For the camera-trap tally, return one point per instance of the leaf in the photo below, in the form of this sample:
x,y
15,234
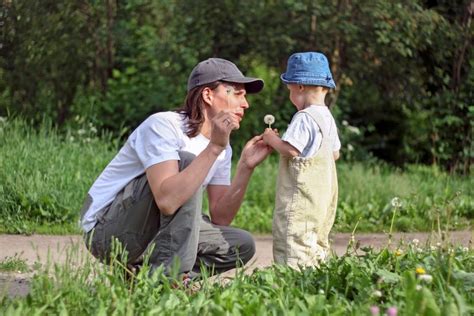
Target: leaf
x,y
387,276
463,308
466,278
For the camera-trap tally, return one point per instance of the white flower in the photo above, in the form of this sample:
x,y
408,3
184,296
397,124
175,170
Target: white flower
x,y
321,291
438,244
377,293
425,278
418,287
415,241
345,123
350,147
354,130
269,119
3,119
93,130
396,202
433,248
81,132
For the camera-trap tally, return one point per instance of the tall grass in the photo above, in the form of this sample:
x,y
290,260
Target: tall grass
x,y
417,281
44,176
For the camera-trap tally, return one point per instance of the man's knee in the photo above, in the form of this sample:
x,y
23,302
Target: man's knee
x,y
246,246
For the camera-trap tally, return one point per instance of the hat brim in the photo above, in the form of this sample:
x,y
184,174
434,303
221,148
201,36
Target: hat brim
x,y
252,85
309,81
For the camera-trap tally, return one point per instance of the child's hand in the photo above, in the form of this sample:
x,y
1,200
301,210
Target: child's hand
x,y
269,135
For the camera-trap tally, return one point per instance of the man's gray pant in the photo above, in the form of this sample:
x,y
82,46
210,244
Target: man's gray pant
x,y
135,220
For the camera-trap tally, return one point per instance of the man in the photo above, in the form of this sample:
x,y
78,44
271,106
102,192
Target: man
x,y
150,194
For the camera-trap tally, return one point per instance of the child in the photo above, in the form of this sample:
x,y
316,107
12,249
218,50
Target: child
x,y
306,197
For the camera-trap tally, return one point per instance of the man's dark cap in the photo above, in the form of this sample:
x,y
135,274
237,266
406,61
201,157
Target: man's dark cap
x,y
218,69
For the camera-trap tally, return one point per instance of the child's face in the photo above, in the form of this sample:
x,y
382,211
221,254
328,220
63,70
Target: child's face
x,y
297,97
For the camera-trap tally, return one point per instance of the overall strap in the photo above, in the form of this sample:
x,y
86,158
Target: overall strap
x,y
328,133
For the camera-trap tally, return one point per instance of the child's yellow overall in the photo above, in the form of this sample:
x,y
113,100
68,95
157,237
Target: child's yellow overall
x,y
305,206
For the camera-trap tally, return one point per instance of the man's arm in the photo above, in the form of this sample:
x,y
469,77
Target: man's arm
x,y
167,182
225,201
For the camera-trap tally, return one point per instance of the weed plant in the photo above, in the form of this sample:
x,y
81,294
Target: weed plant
x,y
45,174
420,280
14,263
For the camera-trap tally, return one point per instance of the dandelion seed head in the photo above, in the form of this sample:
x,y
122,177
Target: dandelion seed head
x,y
269,119
425,278
396,202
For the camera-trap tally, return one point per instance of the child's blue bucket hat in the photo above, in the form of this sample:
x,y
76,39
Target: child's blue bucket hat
x,y
309,68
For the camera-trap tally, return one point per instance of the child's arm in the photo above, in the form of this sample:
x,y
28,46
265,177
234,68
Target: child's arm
x,y
271,138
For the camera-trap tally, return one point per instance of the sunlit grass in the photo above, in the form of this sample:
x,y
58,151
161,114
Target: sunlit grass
x,y
44,176
415,280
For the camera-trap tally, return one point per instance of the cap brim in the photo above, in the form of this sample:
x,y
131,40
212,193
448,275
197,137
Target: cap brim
x,y
252,85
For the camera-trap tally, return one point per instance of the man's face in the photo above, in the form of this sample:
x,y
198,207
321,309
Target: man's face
x,y
231,97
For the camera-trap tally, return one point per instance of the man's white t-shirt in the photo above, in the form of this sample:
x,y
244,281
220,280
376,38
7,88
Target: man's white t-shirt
x,y
304,134
159,138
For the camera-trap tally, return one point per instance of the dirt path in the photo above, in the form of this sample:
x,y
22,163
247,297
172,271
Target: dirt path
x,y
41,248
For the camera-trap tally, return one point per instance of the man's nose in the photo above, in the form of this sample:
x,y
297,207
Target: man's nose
x,y
244,104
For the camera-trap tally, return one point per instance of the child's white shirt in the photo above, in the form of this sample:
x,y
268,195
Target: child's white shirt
x,y
305,135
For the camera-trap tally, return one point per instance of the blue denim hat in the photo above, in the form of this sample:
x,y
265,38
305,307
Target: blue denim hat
x,y
309,68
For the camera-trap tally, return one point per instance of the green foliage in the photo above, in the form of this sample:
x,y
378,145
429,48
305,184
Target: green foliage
x,y
404,69
349,284
14,264
45,174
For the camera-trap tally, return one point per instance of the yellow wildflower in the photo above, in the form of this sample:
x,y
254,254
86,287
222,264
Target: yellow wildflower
x,y
420,270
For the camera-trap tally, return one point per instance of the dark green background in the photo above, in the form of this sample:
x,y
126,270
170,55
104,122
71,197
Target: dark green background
x,y
403,68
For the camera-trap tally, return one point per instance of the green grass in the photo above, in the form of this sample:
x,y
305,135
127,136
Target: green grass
x,y
14,264
44,176
346,285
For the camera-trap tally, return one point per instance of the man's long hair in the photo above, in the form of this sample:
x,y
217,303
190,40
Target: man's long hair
x,y
193,108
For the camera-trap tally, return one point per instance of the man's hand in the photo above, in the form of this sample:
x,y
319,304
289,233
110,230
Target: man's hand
x,y
254,152
222,125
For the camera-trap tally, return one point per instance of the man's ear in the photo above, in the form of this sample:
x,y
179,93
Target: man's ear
x,y
300,87
207,95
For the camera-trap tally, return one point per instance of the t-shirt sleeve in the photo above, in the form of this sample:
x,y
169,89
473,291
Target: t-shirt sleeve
x,y
298,133
156,140
223,170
